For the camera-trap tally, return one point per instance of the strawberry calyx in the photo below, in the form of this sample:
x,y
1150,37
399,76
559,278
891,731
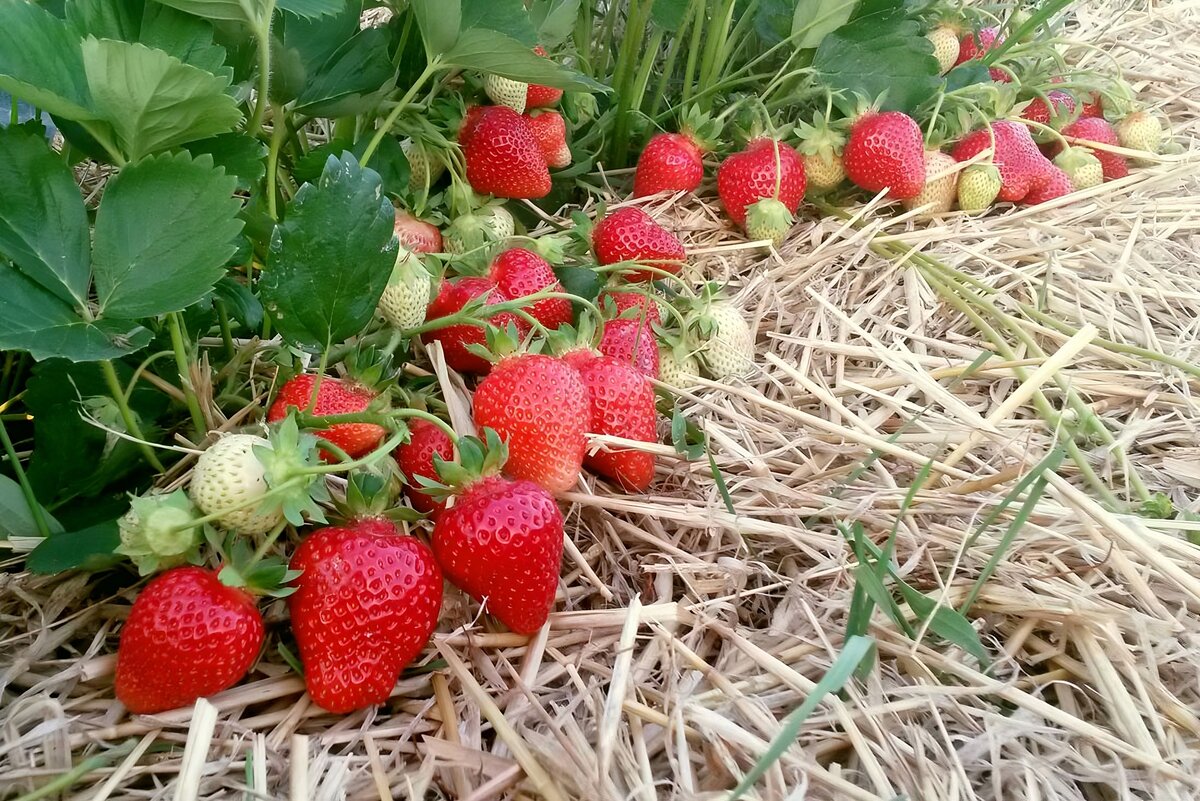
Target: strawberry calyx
x,y
502,343
160,531
477,460
292,471
768,218
255,573
821,138
371,494
701,129
371,369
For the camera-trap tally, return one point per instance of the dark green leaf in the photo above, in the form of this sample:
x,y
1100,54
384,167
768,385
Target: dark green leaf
x,y
43,223
187,37
311,9
813,20
967,74
669,14
877,55
389,161
773,20
555,19
353,80
582,281
89,549
31,319
331,257
304,47
439,21
241,302
242,156
153,100
16,519
164,232
40,61
507,16
233,10
491,51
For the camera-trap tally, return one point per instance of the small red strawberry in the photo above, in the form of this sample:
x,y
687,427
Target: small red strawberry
x,y
1016,155
538,405
417,236
188,636
622,403
974,45
334,396
629,234
1053,183
624,300
1037,110
631,341
767,168
670,162
550,131
415,458
502,154
501,540
1092,107
455,339
538,96
519,272
886,151
1099,130
366,602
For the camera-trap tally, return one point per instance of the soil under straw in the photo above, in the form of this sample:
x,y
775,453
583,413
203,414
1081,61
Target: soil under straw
x,y
685,634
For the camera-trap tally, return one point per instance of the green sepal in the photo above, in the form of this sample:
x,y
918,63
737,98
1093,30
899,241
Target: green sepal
x,y
268,576
158,532
292,457
476,459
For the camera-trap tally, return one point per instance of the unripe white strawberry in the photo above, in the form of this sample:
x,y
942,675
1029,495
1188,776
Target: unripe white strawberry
x,y
506,92
229,474
159,531
978,186
823,172
729,351
1081,166
945,47
941,183
676,367
768,219
488,224
1140,131
406,296
424,166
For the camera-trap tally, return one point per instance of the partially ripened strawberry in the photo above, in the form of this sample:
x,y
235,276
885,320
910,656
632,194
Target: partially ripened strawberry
x,y
1092,106
366,601
631,341
456,339
629,234
406,295
1098,130
1053,183
821,146
622,405
550,131
1016,155
941,182
945,47
415,458
886,151
1082,168
518,272
501,540
416,235
539,96
670,162
767,168
502,154
188,636
978,186
974,45
624,300
539,407
1063,106
332,397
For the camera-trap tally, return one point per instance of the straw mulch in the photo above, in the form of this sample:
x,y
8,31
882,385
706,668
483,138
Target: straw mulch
x,y
685,634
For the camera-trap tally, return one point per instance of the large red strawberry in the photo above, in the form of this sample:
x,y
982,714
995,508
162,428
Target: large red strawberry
x,y
456,339
1016,156
366,602
502,154
539,407
886,151
417,236
629,234
539,96
670,162
1099,130
631,341
622,402
767,168
624,300
415,458
1053,183
518,273
333,397
550,131
188,636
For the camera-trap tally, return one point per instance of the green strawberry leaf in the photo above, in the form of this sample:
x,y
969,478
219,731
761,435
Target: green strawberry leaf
x,y
41,61
967,74
495,52
555,19
669,14
187,37
439,21
353,80
90,549
165,230
16,518
813,20
243,305
230,10
330,259
882,54
240,155
311,9
506,16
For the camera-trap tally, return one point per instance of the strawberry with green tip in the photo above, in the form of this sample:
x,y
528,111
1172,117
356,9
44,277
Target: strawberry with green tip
x,y
1098,130
766,168
366,602
768,219
501,540
1081,167
324,396
630,234
886,151
978,187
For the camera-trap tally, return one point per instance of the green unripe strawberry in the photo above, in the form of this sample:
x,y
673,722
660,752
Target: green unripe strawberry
x,y
506,92
823,172
424,165
159,531
945,47
729,350
768,219
491,224
1140,131
676,367
406,296
820,147
1081,166
937,196
978,186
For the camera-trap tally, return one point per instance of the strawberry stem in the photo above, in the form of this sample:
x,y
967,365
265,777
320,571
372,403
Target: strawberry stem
x,y
433,66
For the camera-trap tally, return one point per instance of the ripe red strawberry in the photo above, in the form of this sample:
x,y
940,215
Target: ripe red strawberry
x,y
502,154
632,342
1093,107
625,300
751,175
886,151
334,396
629,234
366,602
670,162
1053,183
1016,156
519,272
415,458
501,543
455,339
1098,129
538,96
417,236
1038,111
539,407
188,636
974,45
622,403
550,131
